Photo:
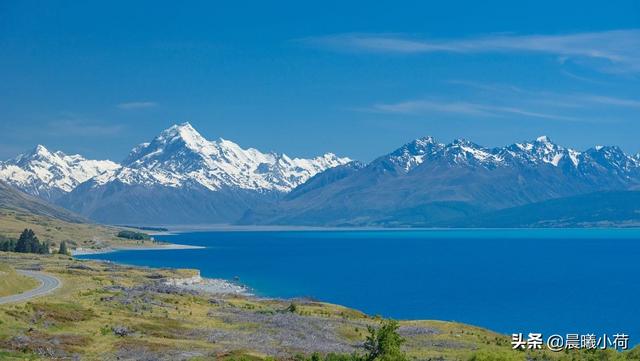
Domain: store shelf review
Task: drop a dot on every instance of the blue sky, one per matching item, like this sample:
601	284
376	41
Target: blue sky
357	78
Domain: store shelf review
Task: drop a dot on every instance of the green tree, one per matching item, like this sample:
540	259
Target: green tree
63	248
43	247
383	344
25	241
29	243
8	245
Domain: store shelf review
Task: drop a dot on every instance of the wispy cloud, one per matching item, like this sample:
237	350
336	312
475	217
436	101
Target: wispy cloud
608	100
504	100
429	106
612	51
552	98
136	105
73	124
78	127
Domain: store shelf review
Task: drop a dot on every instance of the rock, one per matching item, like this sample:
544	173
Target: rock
121	331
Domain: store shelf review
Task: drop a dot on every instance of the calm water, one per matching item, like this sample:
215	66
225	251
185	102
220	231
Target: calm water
550	281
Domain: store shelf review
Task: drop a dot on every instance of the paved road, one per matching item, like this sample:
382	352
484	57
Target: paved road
48	284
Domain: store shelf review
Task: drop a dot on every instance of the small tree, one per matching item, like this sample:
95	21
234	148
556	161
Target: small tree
63	248
43	247
384	343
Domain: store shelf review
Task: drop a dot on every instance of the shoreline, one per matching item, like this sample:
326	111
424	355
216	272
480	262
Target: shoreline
210	285
179	229
162	247
195	283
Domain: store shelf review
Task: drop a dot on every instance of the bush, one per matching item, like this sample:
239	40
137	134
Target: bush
384	343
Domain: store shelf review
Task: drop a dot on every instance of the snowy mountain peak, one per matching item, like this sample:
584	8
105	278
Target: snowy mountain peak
425	141
183	133
40	150
181	156
461	141
543	139
413	153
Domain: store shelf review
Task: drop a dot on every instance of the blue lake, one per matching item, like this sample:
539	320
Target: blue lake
549	281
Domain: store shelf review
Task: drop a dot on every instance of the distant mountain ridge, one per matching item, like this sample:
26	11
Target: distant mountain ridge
179	177
428	183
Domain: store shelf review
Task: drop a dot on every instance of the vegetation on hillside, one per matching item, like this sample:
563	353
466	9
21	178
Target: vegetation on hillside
27	243
85	235
63	248
109	311
133	235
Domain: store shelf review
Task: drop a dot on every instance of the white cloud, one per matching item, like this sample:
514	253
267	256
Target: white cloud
136	105
611	51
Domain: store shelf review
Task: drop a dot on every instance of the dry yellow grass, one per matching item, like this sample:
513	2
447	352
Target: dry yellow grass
12	283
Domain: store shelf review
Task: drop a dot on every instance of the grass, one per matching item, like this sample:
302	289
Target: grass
12	283
79	319
54	230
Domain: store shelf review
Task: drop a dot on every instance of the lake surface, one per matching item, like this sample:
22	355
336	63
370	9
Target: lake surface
549	281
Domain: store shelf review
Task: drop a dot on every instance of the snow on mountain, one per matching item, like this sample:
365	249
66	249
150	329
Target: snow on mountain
462	151
527	154
49	174
413	154
180	156
427	183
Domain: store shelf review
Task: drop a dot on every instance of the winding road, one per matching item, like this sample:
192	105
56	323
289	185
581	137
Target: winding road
48	284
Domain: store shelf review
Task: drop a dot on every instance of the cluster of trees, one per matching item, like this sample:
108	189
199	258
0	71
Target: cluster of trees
29	243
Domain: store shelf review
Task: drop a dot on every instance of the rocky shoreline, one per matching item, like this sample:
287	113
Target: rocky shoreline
161	247
209	285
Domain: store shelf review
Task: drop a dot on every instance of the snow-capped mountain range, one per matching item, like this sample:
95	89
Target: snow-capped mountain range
540	151
179	177
181	156
429	183
48	175
178	157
